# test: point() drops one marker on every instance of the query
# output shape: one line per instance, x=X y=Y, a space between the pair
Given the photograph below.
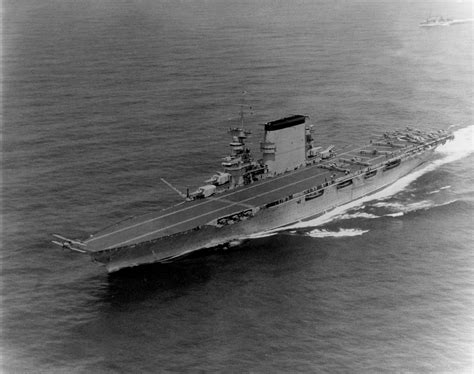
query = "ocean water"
x=103 y=98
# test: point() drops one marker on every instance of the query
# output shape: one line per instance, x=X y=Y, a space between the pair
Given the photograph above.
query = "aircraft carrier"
x=292 y=180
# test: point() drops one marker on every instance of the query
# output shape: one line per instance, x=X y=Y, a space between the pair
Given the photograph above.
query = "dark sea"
x=102 y=98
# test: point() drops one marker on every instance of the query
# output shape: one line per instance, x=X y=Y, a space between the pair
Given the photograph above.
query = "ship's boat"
x=344 y=184
x=293 y=179
x=370 y=174
x=314 y=195
x=392 y=164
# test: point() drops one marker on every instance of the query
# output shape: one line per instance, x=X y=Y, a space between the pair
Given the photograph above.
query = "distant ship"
x=436 y=21
x=294 y=180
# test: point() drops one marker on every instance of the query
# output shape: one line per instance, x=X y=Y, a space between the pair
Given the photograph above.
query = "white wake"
x=336 y=234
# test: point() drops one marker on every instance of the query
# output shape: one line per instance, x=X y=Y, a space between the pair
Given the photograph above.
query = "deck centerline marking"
x=234 y=202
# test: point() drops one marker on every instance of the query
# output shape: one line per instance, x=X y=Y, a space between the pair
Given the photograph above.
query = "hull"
x=294 y=181
x=292 y=209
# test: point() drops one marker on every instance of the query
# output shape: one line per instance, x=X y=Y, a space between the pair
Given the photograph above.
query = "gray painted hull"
x=296 y=209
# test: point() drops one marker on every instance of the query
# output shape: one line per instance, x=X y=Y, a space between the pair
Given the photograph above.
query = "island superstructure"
x=292 y=180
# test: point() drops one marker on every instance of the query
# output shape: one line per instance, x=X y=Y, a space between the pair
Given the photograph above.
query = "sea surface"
x=102 y=98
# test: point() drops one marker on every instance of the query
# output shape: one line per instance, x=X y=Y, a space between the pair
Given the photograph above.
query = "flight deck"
x=192 y=214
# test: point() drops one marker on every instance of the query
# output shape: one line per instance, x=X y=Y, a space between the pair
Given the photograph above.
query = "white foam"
x=398 y=214
x=357 y=215
x=337 y=234
x=260 y=235
x=383 y=204
x=424 y=204
x=405 y=208
x=462 y=146
x=235 y=243
x=446 y=203
x=402 y=209
x=413 y=207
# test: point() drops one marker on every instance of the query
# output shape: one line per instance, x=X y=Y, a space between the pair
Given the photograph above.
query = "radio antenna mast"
x=242 y=110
